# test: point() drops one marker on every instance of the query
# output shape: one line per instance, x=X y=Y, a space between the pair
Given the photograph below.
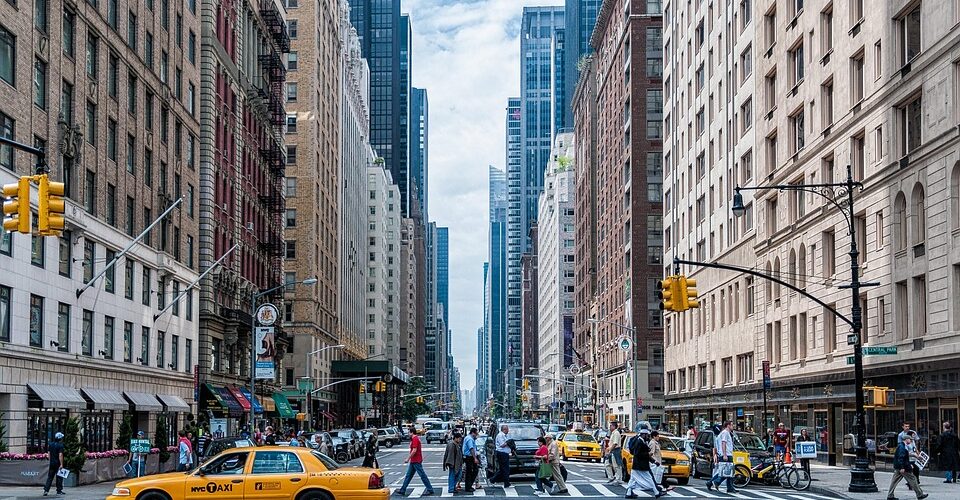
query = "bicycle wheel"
x=783 y=477
x=741 y=476
x=799 y=479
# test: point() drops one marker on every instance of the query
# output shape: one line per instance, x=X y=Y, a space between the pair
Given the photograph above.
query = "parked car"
x=677 y=462
x=353 y=438
x=388 y=436
x=439 y=432
x=217 y=446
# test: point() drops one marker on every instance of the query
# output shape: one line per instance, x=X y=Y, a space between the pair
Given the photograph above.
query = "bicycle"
x=787 y=475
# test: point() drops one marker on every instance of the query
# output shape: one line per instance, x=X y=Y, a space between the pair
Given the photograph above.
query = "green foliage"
x=411 y=408
x=3 y=434
x=74 y=455
x=161 y=438
x=563 y=163
x=126 y=432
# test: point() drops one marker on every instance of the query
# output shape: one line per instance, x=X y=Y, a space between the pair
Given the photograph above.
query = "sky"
x=466 y=53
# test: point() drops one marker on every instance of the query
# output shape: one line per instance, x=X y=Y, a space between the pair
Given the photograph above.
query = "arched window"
x=776 y=274
x=792 y=267
x=918 y=215
x=955 y=197
x=802 y=266
x=900 y=221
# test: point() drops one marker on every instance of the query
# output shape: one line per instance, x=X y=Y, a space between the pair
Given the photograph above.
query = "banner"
x=265 y=352
x=218 y=428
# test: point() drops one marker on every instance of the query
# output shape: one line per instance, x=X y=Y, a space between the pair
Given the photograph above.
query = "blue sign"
x=739 y=412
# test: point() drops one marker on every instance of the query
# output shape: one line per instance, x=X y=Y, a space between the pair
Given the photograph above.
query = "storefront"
x=222 y=409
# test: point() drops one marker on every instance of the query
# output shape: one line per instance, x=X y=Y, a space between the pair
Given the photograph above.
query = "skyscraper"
x=580 y=16
x=443 y=271
x=496 y=306
x=538 y=88
x=419 y=147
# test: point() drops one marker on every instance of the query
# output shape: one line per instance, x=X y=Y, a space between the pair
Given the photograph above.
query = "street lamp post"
x=308 y=374
x=861 y=475
x=254 y=297
x=634 y=411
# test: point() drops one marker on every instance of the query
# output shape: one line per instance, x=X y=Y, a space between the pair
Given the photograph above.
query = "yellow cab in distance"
x=675 y=461
x=270 y=473
x=578 y=445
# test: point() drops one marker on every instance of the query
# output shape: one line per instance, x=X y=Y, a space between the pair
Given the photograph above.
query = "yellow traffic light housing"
x=669 y=294
x=50 y=207
x=17 y=206
x=689 y=293
x=419 y=400
x=363 y=388
x=526 y=384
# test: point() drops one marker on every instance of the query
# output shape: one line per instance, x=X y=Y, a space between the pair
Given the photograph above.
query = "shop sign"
x=265 y=352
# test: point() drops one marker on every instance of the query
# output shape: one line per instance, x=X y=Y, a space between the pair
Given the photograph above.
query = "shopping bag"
x=63 y=473
x=657 y=471
x=726 y=469
x=545 y=471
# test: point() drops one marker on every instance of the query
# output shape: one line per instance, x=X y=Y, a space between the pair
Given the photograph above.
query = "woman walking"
x=544 y=471
x=370 y=456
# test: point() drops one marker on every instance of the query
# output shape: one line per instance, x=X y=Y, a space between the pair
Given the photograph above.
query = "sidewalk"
x=87 y=492
x=836 y=480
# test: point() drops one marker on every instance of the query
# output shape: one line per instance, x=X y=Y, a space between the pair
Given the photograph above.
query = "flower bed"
x=22 y=469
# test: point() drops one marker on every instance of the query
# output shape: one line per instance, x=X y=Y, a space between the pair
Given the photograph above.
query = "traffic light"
x=879 y=396
x=419 y=400
x=17 y=206
x=688 y=293
x=526 y=384
x=363 y=388
x=380 y=386
x=51 y=207
x=669 y=294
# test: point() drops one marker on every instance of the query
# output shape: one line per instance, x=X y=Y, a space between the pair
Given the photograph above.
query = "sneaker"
x=401 y=493
x=469 y=490
x=427 y=493
x=632 y=495
x=921 y=497
x=61 y=493
x=560 y=492
x=709 y=485
x=45 y=493
x=729 y=491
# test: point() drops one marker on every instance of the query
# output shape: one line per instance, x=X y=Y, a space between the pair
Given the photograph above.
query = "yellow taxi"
x=268 y=473
x=676 y=463
x=578 y=445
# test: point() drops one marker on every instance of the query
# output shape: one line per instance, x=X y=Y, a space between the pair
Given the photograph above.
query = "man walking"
x=503 y=451
x=453 y=462
x=55 y=450
x=915 y=443
x=902 y=469
x=949 y=446
x=471 y=460
x=613 y=450
x=553 y=458
x=414 y=463
x=723 y=453
x=185 y=449
x=640 y=476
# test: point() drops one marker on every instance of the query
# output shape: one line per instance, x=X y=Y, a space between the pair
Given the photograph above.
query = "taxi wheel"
x=314 y=495
x=683 y=480
x=153 y=495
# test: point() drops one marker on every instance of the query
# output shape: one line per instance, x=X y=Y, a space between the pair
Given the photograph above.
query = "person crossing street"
x=414 y=463
x=471 y=460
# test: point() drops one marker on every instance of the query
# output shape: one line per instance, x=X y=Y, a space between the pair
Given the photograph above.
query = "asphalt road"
x=585 y=480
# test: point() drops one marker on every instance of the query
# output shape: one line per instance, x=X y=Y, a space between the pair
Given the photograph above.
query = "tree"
x=3 y=434
x=74 y=455
x=161 y=438
x=410 y=407
x=126 y=432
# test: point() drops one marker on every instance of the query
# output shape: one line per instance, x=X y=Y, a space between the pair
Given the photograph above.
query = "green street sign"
x=305 y=385
x=850 y=360
x=886 y=350
x=139 y=446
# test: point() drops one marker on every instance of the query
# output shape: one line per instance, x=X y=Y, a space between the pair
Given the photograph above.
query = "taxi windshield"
x=750 y=441
x=582 y=438
x=667 y=444
x=328 y=463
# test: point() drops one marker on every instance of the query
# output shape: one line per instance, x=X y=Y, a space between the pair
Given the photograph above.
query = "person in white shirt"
x=723 y=452
x=613 y=450
x=503 y=456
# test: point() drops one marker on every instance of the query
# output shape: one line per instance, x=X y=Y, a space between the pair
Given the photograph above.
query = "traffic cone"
x=788 y=459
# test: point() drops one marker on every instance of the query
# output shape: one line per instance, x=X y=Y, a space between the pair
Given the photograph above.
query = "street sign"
x=305 y=385
x=886 y=350
x=139 y=446
x=767 y=383
x=267 y=314
x=574 y=369
x=624 y=344
x=850 y=360
x=852 y=339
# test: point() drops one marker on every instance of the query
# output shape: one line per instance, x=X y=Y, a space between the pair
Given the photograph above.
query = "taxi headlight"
x=121 y=492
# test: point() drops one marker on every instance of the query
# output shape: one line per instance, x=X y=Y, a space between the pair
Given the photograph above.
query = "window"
x=918 y=216
x=190 y=251
x=63 y=327
x=108 y=333
x=746 y=116
x=292 y=61
x=128 y=270
x=796 y=63
x=86 y=337
x=920 y=305
x=746 y=64
x=161 y=348
x=276 y=462
x=91 y=118
x=857 y=156
x=292 y=28
x=4 y=313
x=192 y=47
x=291 y=217
x=66 y=254
x=188 y=354
x=826 y=104
x=826 y=30
x=144 y=346
x=727 y=371
x=128 y=341
x=109 y=279
x=148 y=49
x=89 y=254
x=93 y=50
x=113 y=76
x=129 y=224
x=877 y=60
x=40 y=15
x=132 y=30
x=40 y=84
x=145 y=286
x=131 y=154
x=654 y=113
x=910 y=124
x=8 y=56
x=112 y=139
x=856 y=78
x=174 y=352
x=771 y=152
x=291 y=249
x=796 y=129
x=291 y=190
x=37 y=250
x=910 y=42
x=291 y=91
x=112 y=9
x=36 y=321
x=6 y=130
x=856 y=11
x=828 y=243
x=176 y=298
x=770 y=27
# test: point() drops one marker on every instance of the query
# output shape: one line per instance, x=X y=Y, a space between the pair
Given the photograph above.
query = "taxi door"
x=275 y=475
x=221 y=479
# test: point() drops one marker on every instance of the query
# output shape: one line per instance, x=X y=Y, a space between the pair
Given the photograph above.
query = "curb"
x=820 y=490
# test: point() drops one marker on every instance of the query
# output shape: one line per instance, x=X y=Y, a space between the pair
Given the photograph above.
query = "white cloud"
x=466 y=53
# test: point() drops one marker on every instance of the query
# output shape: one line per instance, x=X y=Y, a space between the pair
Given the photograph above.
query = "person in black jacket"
x=949 y=447
x=641 y=478
x=903 y=470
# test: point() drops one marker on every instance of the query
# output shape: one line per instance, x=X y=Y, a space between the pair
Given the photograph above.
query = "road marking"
x=574 y=492
x=603 y=490
x=510 y=492
x=417 y=492
x=697 y=492
x=479 y=493
x=575 y=473
x=445 y=493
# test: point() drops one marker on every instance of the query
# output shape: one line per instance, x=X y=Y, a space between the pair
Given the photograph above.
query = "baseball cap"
x=140 y=433
x=58 y=435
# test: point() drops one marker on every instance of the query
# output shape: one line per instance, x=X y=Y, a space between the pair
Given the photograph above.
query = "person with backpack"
x=902 y=469
x=949 y=460
x=641 y=477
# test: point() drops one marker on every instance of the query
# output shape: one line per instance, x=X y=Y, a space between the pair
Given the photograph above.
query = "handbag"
x=657 y=471
x=545 y=471
x=726 y=469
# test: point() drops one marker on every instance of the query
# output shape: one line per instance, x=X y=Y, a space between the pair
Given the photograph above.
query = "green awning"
x=283 y=406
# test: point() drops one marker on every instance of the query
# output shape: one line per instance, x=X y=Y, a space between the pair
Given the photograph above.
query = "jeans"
x=453 y=476
x=542 y=482
x=51 y=475
x=418 y=468
x=471 y=474
x=503 y=471
x=138 y=471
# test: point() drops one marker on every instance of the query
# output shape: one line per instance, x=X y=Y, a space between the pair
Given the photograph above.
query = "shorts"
x=779 y=448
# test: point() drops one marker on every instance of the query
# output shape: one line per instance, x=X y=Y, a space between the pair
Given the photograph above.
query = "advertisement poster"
x=265 y=352
x=218 y=427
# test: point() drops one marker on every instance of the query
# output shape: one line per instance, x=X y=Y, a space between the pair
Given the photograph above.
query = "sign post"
x=767 y=384
x=139 y=446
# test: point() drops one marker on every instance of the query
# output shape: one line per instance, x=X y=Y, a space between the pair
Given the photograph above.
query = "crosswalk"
x=596 y=490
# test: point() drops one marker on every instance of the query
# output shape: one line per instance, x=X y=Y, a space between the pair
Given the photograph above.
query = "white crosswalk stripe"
x=597 y=491
x=510 y=492
x=603 y=490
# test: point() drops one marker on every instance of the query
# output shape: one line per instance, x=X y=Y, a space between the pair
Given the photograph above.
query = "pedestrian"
x=453 y=462
x=203 y=441
x=723 y=453
x=906 y=431
x=471 y=460
x=949 y=458
x=414 y=463
x=902 y=470
x=641 y=477
x=691 y=434
x=370 y=454
x=803 y=438
x=137 y=461
x=269 y=438
x=503 y=451
x=554 y=457
x=781 y=438
x=616 y=457
x=490 y=450
x=55 y=450
x=185 y=449
x=544 y=471
x=656 y=456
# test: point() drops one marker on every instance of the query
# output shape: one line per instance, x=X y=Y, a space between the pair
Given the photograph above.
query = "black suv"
x=524 y=436
x=742 y=441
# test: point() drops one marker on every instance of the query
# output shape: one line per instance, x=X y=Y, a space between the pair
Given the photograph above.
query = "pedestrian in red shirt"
x=414 y=463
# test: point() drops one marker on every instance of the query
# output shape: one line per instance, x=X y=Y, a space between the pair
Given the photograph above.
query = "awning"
x=106 y=400
x=174 y=403
x=256 y=404
x=55 y=396
x=143 y=402
x=227 y=401
x=329 y=416
x=235 y=392
x=268 y=404
x=283 y=406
